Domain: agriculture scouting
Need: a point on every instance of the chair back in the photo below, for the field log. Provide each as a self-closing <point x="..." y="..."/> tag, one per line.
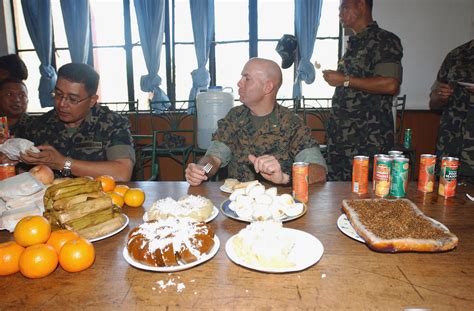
<point x="398" y="110"/>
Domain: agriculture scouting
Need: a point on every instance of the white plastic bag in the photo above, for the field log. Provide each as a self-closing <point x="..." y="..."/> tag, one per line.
<point x="14" y="146"/>
<point x="23" y="184"/>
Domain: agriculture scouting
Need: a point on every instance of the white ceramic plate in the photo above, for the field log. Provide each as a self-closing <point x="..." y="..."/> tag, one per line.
<point x="215" y="212"/>
<point x="226" y="189"/>
<point x="231" y="214"/>
<point x="345" y="226"/>
<point x="466" y="84"/>
<point x="306" y="252"/>
<point x="105" y="236"/>
<point x="204" y="258"/>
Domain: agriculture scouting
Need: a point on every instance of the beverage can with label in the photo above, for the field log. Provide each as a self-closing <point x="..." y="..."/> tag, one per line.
<point x="360" y="174"/>
<point x="382" y="176"/>
<point x="426" y="177"/>
<point x="376" y="157"/>
<point x="399" y="177"/>
<point x="448" y="176"/>
<point x="300" y="175"/>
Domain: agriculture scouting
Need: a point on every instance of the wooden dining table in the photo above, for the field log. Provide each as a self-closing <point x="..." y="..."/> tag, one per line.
<point x="349" y="275"/>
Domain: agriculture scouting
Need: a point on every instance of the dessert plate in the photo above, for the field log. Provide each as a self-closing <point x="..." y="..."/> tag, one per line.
<point x="204" y="258"/>
<point x="215" y="212"/>
<point x="107" y="235"/>
<point x="231" y="214"/>
<point x="226" y="189"/>
<point x="306" y="252"/>
<point x="345" y="226"/>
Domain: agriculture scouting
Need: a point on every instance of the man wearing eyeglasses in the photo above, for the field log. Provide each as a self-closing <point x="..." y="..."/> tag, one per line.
<point x="79" y="137"/>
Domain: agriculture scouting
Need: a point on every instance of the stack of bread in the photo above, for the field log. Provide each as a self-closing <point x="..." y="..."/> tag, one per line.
<point x="79" y="204"/>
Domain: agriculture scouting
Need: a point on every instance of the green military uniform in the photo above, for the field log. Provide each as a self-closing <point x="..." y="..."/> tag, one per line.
<point x="104" y="135"/>
<point x="19" y="128"/>
<point x="456" y="131"/>
<point x="362" y="123"/>
<point x="281" y="134"/>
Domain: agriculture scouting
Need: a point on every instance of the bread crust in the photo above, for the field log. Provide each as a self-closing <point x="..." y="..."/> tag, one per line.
<point x="444" y="242"/>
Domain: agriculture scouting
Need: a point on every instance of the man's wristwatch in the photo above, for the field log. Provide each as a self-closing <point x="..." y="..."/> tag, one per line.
<point x="66" y="171"/>
<point x="346" y="81"/>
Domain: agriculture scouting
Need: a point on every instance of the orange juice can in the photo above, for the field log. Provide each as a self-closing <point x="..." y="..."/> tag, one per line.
<point x="7" y="170"/>
<point x="360" y="174"/>
<point x="448" y="177"/>
<point x="300" y="176"/>
<point x="426" y="177"/>
<point x="382" y="176"/>
<point x="376" y="157"/>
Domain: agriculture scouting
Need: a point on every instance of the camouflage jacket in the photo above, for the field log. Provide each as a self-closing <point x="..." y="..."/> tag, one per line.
<point x="362" y="123"/>
<point x="101" y="130"/>
<point x="21" y="126"/>
<point x="282" y="135"/>
<point x="456" y="131"/>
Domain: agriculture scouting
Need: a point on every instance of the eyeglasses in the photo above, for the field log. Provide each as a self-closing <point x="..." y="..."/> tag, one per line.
<point x="68" y="99"/>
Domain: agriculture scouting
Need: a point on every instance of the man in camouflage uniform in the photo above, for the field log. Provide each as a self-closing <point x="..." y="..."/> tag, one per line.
<point x="78" y="136"/>
<point x="367" y="78"/>
<point x="453" y="91"/>
<point x="261" y="139"/>
<point x="13" y="105"/>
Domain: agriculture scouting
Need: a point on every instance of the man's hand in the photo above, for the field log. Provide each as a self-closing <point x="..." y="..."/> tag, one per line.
<point x="269" y="167"/>
<point x="333" y="78"/>
<point x="4" y="159"/>
<point x="443" y="92"/>
<point x="195" y="174"/>
<point x="470" y="89"/>
<point x="48" y="155"/>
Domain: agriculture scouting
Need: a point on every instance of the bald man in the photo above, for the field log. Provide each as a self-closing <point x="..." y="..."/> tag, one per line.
<point x="260" y="139"/>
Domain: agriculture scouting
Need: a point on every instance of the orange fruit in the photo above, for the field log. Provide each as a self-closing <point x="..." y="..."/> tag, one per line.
<point x="117" y="199"/>
<point x="107" y="182"/>
<point x="32" y="230"/>
<point x="121" y="189"/>
<point x="77" y="255"/>
<point x="38" y="261"/>
<point x="10" y="257"/>
<point x="134" y="197"/>
<point x="58" y="238"/>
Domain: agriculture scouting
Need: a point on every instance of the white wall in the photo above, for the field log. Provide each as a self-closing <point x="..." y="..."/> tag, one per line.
<point x="428" y="29"/>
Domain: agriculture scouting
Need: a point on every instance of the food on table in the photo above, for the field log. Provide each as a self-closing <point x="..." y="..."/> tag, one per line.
<point x="397" y="226"/>
<point x="78" y="204"/>
<point x="38" y="261"/>
<point x="10" y="253"/>
<point x="134" y="197"/>
<point x="107" y="182"/>
<point x="77" y="255"/>
<point x="117" y="199"/>
<point x="32" y="230"/>
<point x="264" y="243"/>
<point x="58" y="238"/>
<point x="229" y="183"/>
<point x="254" y="202"/>
<point x="43" y="173"/>
<point x="121" y="190"/>
<point x="170" y="242"/>
<point x="196" y="207"/>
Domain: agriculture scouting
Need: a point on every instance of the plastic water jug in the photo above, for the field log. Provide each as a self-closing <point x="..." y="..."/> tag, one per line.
<point x="212" y="104"/>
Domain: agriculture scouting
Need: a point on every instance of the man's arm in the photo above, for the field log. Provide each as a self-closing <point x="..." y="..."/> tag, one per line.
<point x="373" y="85"/>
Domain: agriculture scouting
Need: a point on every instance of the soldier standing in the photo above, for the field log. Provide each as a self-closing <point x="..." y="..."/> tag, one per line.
<point x="453" y="91"/>
<point x="367" y="77"/>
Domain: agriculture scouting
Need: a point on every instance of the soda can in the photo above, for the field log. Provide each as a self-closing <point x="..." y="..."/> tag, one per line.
<point x="407" y="139"/>
<point x="375" y="166"/>
<point x="448" y="176"/>
<point x="382" y="176"/>
<point x="360" y="174"/>
<point x="7" y="170"/>
<point x="399" y="177"/>
<point x="4" y="127"/>
<point x="426" y="176"/>
<point x="300" y="175"/>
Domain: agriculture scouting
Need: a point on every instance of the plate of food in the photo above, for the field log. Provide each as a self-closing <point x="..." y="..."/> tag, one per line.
<point x="122" y="219"/>
<point x="197" y="207"/>
<point x="467" y="84"/>
<point x="345" y="226"/>
<point x="263" y="213"/>
<point x="268" y="247"/>
<point x="197" y="244"/>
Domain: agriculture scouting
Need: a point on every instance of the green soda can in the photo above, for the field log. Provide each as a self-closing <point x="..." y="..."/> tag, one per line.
<point x="399" y="177"/>
<point x="407" y="139"/>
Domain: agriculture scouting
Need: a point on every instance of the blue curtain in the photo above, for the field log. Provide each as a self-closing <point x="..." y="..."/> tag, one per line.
<point x="202" y="16"/>
<point x="150" y="18"/>
<point x="307" y="16"/>
<point x="38" y="21"/>
<point x="78" y="30"/>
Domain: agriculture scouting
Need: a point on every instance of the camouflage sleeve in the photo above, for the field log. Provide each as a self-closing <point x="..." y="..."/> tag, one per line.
<point x="389" y="62"/>
<point x="445" y="69"/>
<point x="301" y="138"/>
<point x="121" y="152"/>
<point x="221" y="151"/>
<point x="227" y="128"/>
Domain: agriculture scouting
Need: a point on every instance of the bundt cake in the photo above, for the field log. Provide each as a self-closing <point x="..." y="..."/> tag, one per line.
<point x="194" y="206"/>
<point x="170" y="242"/>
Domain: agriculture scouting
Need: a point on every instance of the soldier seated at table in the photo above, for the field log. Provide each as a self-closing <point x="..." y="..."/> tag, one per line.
<point x="79" y="137"/>
<point x="260" y="139"/>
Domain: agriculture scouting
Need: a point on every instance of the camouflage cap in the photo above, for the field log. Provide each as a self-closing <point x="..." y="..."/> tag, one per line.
<point x="286" y="47"/>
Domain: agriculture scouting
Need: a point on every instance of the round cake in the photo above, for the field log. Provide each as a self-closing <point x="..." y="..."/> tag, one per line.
<point x="193" y="206"/>
<point x="170" y="242"/>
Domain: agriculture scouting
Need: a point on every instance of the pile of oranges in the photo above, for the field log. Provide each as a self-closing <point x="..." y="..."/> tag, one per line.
<point x="121" y="194"/>
<point x="37" y="251"/>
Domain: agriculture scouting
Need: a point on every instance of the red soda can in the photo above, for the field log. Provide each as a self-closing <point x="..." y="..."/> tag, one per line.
<point x="448" y="176"/>
<point x="360" y="174"/>
<point x="300" y="175"/>
<point x="426" y="177"/>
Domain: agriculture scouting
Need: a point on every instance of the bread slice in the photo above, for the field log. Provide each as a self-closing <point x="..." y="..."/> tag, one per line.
<point x="397" y="226"/>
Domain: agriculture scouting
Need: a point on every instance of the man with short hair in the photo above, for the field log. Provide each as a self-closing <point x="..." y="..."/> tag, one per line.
<point x="79" y="137"/>
<point x="12" y="66"/>
<point x="367" y="77"/>
<point x="13" y="105"/>
<point x="260" y="139"/>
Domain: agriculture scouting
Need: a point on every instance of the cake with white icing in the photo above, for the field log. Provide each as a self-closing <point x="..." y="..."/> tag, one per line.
<point x="196" y="207"/>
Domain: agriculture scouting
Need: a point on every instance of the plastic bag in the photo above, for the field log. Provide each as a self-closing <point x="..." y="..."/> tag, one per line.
<point x="14" y="146"/>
